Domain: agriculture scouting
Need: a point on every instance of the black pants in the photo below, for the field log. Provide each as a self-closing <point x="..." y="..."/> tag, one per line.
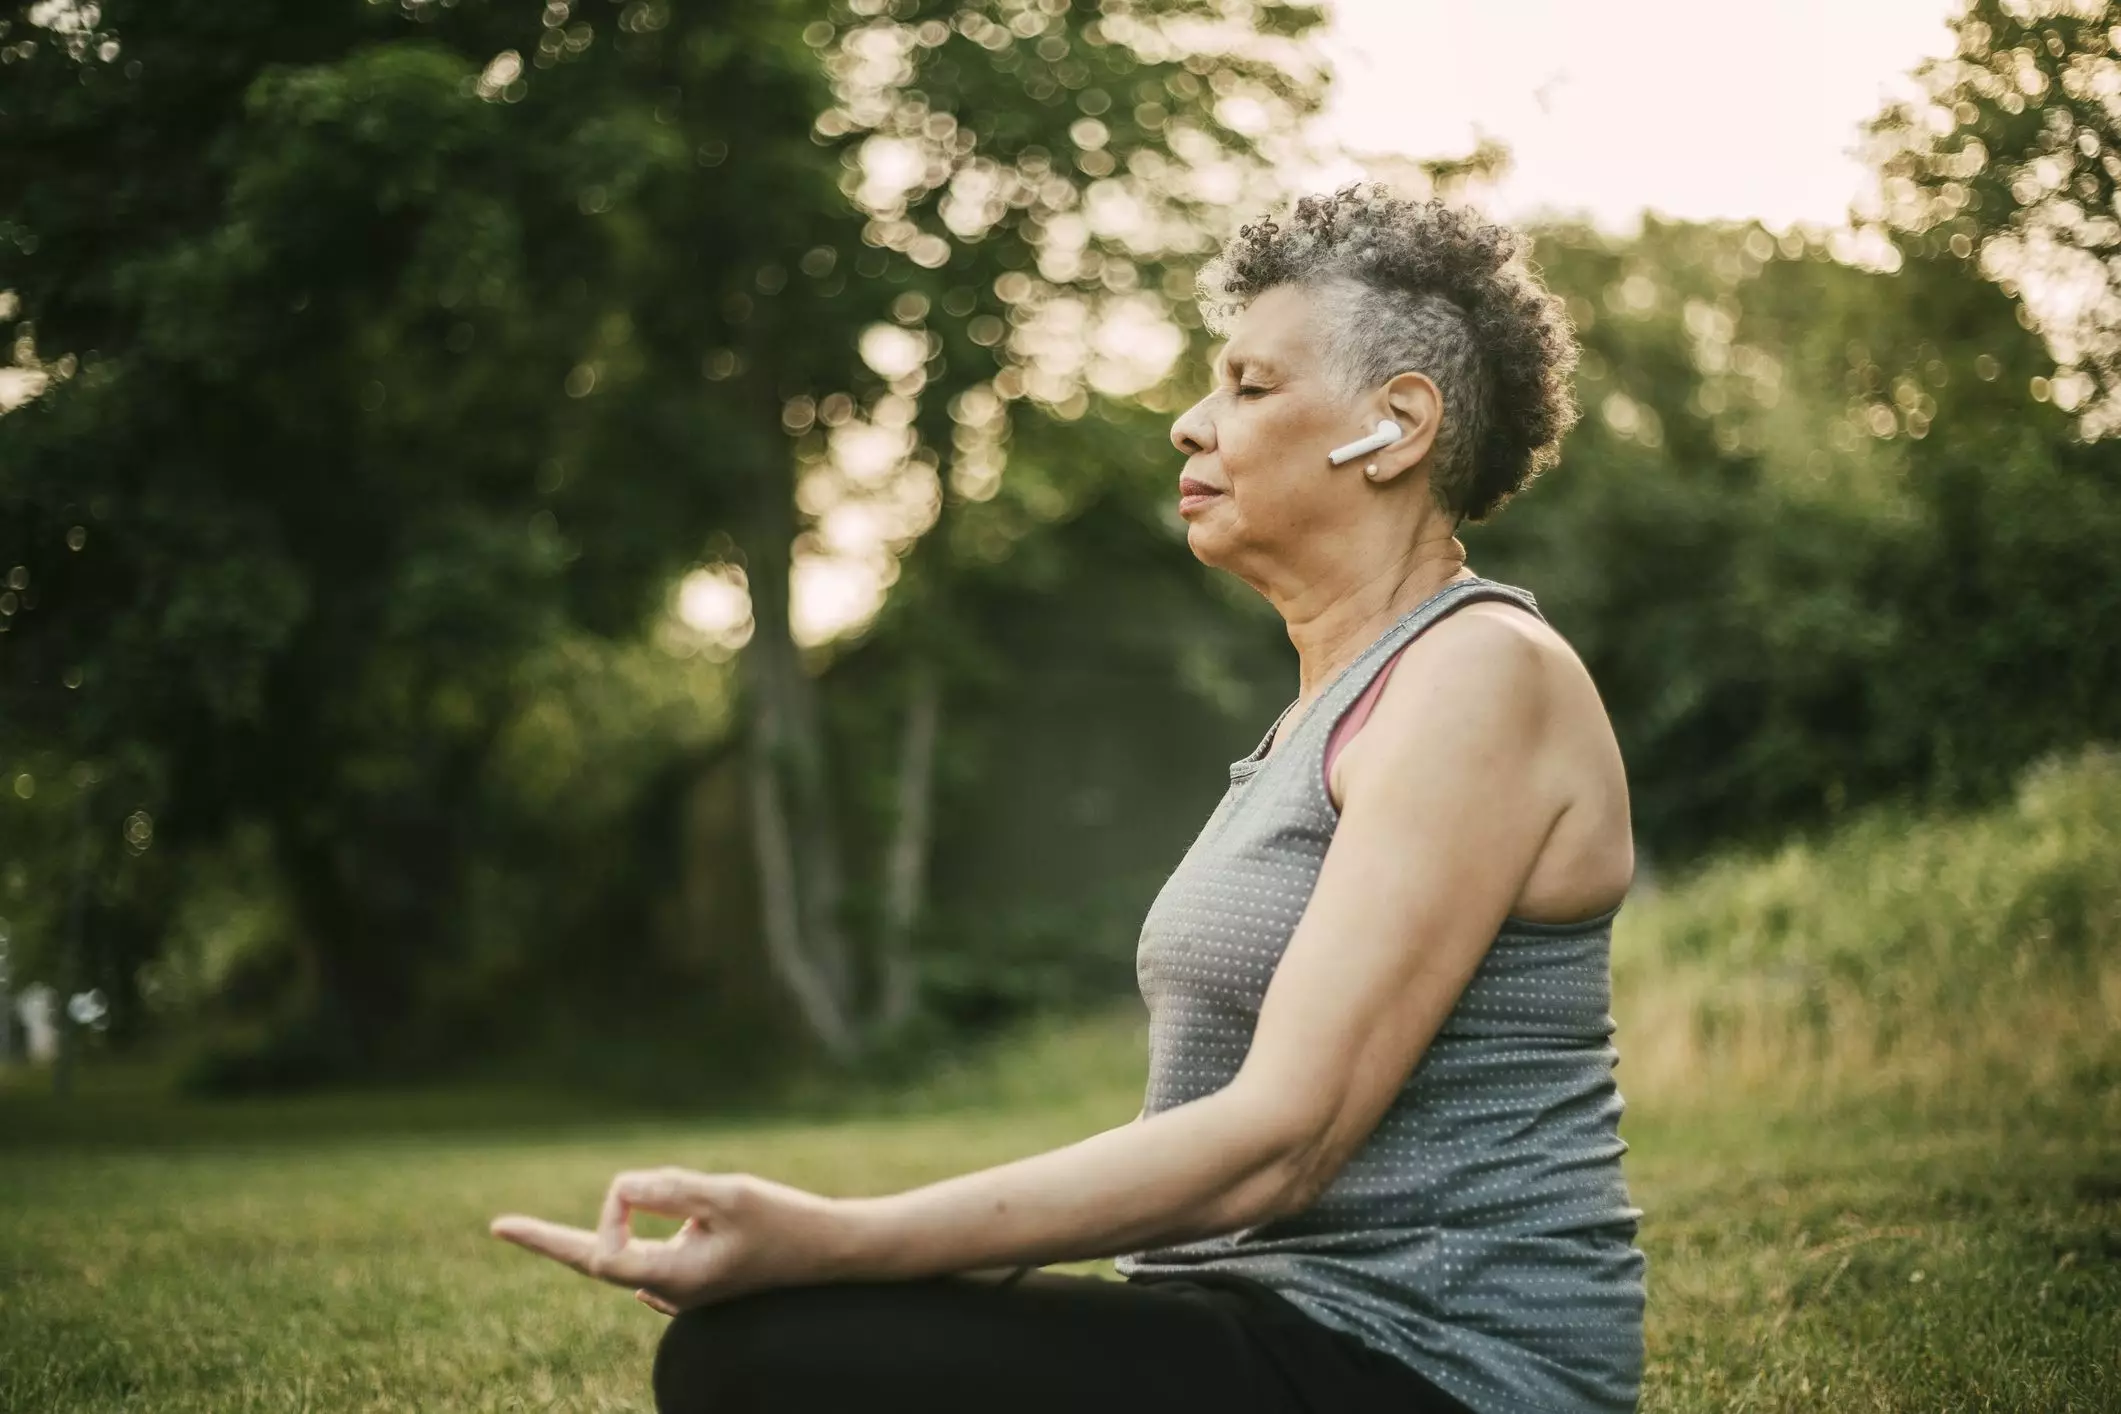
<point x="1044" y="1343"/>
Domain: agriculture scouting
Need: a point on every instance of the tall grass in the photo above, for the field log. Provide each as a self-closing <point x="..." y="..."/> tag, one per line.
<point x="1924" y="956"/>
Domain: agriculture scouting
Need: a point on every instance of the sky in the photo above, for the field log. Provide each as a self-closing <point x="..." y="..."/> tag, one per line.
<point x="1701" y="109"/>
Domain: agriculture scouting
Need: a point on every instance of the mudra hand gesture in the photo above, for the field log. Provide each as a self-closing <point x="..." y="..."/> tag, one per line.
<point x="740" y="1234"/>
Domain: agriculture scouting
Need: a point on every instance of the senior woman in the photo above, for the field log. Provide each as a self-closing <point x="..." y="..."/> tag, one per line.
<point x="1379" y="1162"/>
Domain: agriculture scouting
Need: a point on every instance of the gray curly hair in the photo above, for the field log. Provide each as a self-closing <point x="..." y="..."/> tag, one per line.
<point x="1429" y="287"/>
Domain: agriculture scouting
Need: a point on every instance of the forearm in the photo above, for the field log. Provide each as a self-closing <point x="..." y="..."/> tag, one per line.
<point x="1194" y="1171"/>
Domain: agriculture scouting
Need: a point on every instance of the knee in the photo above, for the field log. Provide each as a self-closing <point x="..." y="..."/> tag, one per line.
<point x="725" y="1358"/>
<point x="697" y="1364"/>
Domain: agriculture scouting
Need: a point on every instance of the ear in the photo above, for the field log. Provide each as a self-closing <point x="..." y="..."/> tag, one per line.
<point x="1414" y="402"/>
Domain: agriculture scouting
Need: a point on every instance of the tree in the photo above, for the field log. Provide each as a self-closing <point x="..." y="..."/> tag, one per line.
<point x="2012" y="158"/>
<point x="383" y="350"/>
<point x="335" y="304"/>
<point x="1813" y="540"/>
<point x="1047" y="179"/>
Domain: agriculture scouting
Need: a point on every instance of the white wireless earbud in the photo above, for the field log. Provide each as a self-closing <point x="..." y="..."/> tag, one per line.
<point x="1386" y="434"/>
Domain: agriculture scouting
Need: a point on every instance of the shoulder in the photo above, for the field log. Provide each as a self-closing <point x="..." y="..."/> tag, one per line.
<point x="1488" y="660"/>
<point x="1482" y="687"/>
<point x="1498" y="631"/>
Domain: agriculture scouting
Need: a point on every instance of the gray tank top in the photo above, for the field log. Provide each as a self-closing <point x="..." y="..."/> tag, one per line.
<point x="1483" y="1233"/>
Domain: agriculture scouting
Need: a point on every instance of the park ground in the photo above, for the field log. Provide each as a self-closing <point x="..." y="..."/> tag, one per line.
<point x="1873" y="1121"/>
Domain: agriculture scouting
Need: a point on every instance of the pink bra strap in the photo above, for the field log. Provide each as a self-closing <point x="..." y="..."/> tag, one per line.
<point x="1351" y="722"/>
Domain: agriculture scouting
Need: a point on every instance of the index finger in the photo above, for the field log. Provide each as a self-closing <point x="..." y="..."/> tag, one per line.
<point x="572" y="1245"/>
<point x="667" y="1191"/>
<point x="635" y="1264"/>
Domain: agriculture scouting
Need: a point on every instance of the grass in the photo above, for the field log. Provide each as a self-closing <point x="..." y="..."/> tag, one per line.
<point x="1897" y="955"/>
<point x="1874" y="1127"/>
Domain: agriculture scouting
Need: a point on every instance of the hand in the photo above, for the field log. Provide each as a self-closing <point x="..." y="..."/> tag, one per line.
<point x="740" y="1234"/>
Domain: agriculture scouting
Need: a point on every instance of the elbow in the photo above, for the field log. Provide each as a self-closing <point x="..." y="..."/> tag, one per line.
<point x="1295" y="1165"/>
<point x="1294" y="1184"/>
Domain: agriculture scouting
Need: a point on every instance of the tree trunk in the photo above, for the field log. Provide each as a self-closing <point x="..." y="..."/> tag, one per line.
<point x="906" y="865"/>
<point x="794" y="830"/>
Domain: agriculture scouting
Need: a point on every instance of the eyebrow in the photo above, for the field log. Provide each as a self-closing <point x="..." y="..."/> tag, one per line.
<point x="1253" y="362"/>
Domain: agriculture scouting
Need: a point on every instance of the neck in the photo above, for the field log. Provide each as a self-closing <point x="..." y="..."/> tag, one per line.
<point x="1330" y="624"/>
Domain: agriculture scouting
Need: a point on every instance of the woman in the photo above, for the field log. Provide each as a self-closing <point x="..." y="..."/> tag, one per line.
<point x="1378" y="1166"/>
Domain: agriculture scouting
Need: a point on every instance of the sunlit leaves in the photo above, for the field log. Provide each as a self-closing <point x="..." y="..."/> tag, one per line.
<point x="2012" y="159"/>
<point x="945" y="110"/>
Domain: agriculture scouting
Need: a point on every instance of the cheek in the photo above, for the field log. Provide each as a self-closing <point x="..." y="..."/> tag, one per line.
<point x="1266" y="458"/>
<point x="1253" y="440"/>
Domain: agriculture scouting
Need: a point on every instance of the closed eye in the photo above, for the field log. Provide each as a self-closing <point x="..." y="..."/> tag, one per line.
<point x="1250" y="390"/>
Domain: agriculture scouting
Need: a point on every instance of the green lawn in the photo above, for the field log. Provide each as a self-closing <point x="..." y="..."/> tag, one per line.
<point x="1865" y="1256"/>
<point x="1876" y="1129"/>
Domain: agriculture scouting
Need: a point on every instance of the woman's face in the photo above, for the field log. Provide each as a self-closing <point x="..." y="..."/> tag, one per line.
<point x="1256" y="486"/>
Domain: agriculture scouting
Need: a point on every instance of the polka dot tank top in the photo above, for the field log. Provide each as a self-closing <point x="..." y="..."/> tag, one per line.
<point x="1483" y="1233"/>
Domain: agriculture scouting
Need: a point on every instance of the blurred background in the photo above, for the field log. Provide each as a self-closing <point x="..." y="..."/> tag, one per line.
<point x="632" y="535"/>
<point x="625" y="548"/>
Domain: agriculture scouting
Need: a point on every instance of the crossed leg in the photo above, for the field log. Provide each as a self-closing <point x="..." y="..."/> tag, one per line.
<point x="1046" y="1343"/>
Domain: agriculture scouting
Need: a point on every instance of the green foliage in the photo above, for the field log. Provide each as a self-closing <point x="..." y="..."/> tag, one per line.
<point x="1814" y="544"/>
<point x="1907" y="1028"/>
<point x="1896" y="952"/>
<point x="399" y="360"/>
<point x="282" y="495"/>
<point x="2020" y="890"/>
<point x="2010" y="158"/>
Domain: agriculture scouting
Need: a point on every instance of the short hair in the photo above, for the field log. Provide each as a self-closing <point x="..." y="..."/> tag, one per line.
<point x="1406" y="285"/>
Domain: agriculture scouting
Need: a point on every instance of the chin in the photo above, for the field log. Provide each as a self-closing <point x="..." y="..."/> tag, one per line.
<point x="1201" y="541"/>
<point x="1206" y="544"/>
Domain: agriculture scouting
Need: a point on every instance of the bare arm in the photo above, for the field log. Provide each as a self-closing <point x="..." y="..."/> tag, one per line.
<point x="1443" y="819"/>
<point x="1201" y="1169"/>
<point x="1445" y="813"/>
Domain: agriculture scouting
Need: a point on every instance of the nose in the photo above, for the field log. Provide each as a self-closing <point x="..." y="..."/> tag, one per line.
<point x="1193" y="432"/>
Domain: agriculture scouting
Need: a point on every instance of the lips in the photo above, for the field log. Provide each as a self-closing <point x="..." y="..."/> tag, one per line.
<point x="1192" y="495"/>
